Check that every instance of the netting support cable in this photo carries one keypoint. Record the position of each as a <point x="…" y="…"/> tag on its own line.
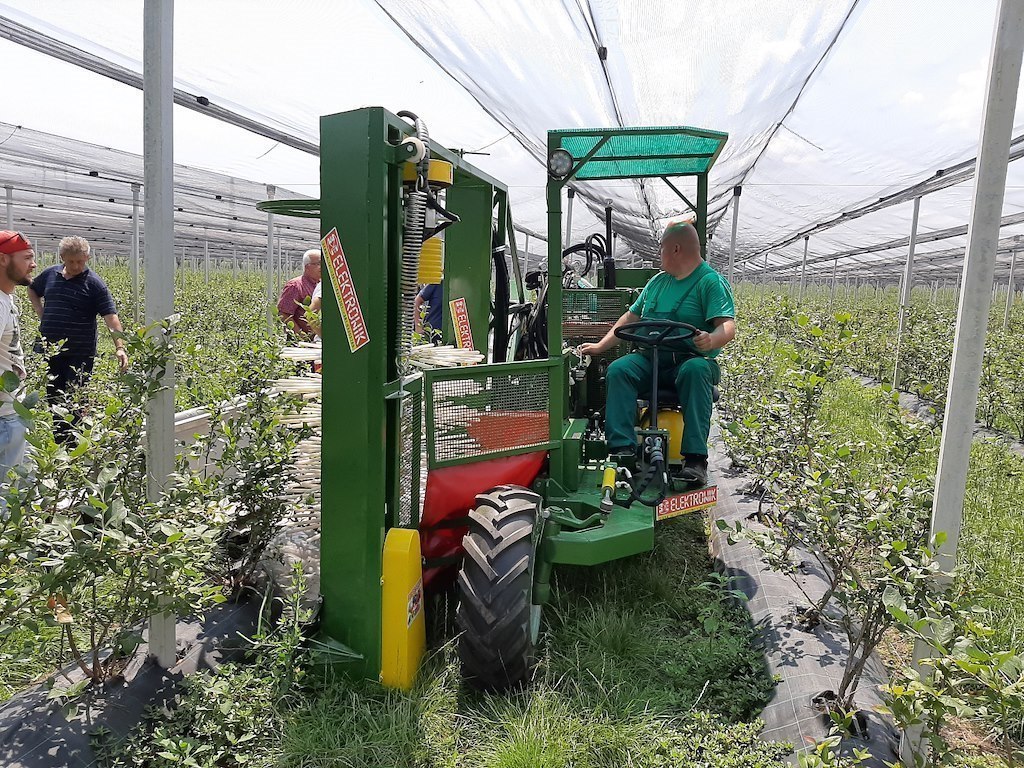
<point x="901" y="242"/>
<point x="679" y="193"/>
<point x="796" y="100"/>
<point x="58" y="49"/>
<point x="942" y="179"/>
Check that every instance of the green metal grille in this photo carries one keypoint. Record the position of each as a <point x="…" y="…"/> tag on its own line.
<point x="637" y="152"/>
<point x="588" y="314"/>
<point x="485" y="411"/>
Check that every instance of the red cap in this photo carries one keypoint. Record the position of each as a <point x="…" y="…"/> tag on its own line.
<point x="12" y="242"/>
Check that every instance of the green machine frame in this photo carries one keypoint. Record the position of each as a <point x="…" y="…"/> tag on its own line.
<point x="362" y="467"/>
<point x="371" y="454"/>
<point x="577" y="532"/>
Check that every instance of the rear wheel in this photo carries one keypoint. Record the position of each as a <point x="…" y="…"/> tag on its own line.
<point x="496" y="588"/>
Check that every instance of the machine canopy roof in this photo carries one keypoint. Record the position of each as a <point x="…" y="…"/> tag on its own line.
<point x="639" y="152"/>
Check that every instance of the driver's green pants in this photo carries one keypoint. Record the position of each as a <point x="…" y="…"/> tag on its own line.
<point x="630" y="376"/>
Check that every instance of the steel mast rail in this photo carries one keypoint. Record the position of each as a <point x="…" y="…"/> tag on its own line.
<point x="943" y="178"/>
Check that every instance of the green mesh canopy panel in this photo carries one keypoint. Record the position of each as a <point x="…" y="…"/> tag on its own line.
<point x="637" y="152"/>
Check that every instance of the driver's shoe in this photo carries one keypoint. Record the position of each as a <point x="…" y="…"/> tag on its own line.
<point x="694" y="471"/>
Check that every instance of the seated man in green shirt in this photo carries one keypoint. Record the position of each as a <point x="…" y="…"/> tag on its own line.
<point x="688" y="291"/>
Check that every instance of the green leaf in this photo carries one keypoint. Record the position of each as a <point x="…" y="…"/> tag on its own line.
<point x="895" y="604"/>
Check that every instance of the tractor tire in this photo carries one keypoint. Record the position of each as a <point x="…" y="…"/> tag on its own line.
<point x="495" y="588"/>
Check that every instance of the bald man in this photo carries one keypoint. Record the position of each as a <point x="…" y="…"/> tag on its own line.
<point x="687" y="290"/>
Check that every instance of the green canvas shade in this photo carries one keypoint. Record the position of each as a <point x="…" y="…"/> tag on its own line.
<point x="642" y="152"/>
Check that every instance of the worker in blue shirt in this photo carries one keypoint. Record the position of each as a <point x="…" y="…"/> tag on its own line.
<point x="68" y="297"/>
<point x="433" y="297"/>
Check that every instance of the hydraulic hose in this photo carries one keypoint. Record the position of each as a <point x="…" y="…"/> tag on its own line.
<point x="412" y="243"/>
<point x="655" y="470"/>
<point x="499" y="321"/>
<point x="592" y="251"/>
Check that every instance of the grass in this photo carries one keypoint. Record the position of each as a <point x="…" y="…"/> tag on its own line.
<point x="990" y="555"/>
<point x="646" y="662"/>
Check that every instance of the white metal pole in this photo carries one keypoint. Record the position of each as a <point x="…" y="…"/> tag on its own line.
<point x="158" y="155"/>
<point x="1010" y="290"/>
<point x="206" y="260"/>
<point x="976" y="279"/>
<point x="803" y="266"/>
<point x="270" y="262"/>
<point x="526" y="257"/>
<point x="905" y="292"/>
<point x="10" y="207"/>
<point x="234" y="263"/>
<point x="978" y="272"/>
<point x="736" y="191"/>
<point x="832" y="293"/>
<point x="135" y="252"/>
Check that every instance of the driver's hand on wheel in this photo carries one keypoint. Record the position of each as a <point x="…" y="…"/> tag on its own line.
<point x="702" y="341"/>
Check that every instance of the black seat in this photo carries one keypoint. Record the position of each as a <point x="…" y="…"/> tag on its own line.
<point x="667" y="396"/>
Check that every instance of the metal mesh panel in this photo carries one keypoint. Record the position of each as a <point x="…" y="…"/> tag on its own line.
<point x="588" y="313"/>
<point x="410" y="416"/>
<point x="481" y="415"/>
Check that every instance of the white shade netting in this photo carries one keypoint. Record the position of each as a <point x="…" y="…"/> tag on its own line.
<point x="830" y="106"/>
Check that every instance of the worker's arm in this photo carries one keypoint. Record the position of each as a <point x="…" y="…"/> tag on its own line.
<point x="417" y="314"/>
<point x="37" y="302"/>
<point x="610" y="339"/>
<point x="725" y="331"/>
<point x="113" y="323"/>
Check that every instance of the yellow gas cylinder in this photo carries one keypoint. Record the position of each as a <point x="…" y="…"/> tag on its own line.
<point x="431" y="267"/>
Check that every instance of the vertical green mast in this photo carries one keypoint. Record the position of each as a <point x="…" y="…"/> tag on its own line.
<point x="356" y="183"/>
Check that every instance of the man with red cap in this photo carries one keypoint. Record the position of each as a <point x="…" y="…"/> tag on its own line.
<point x="17" y="260"/>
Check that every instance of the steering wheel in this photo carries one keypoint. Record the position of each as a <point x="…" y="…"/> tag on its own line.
<point x="665" y="334"/>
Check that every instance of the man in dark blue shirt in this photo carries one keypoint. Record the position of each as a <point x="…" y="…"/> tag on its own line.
<point x="68" y="298"/>
<point x="433" y="297"/>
